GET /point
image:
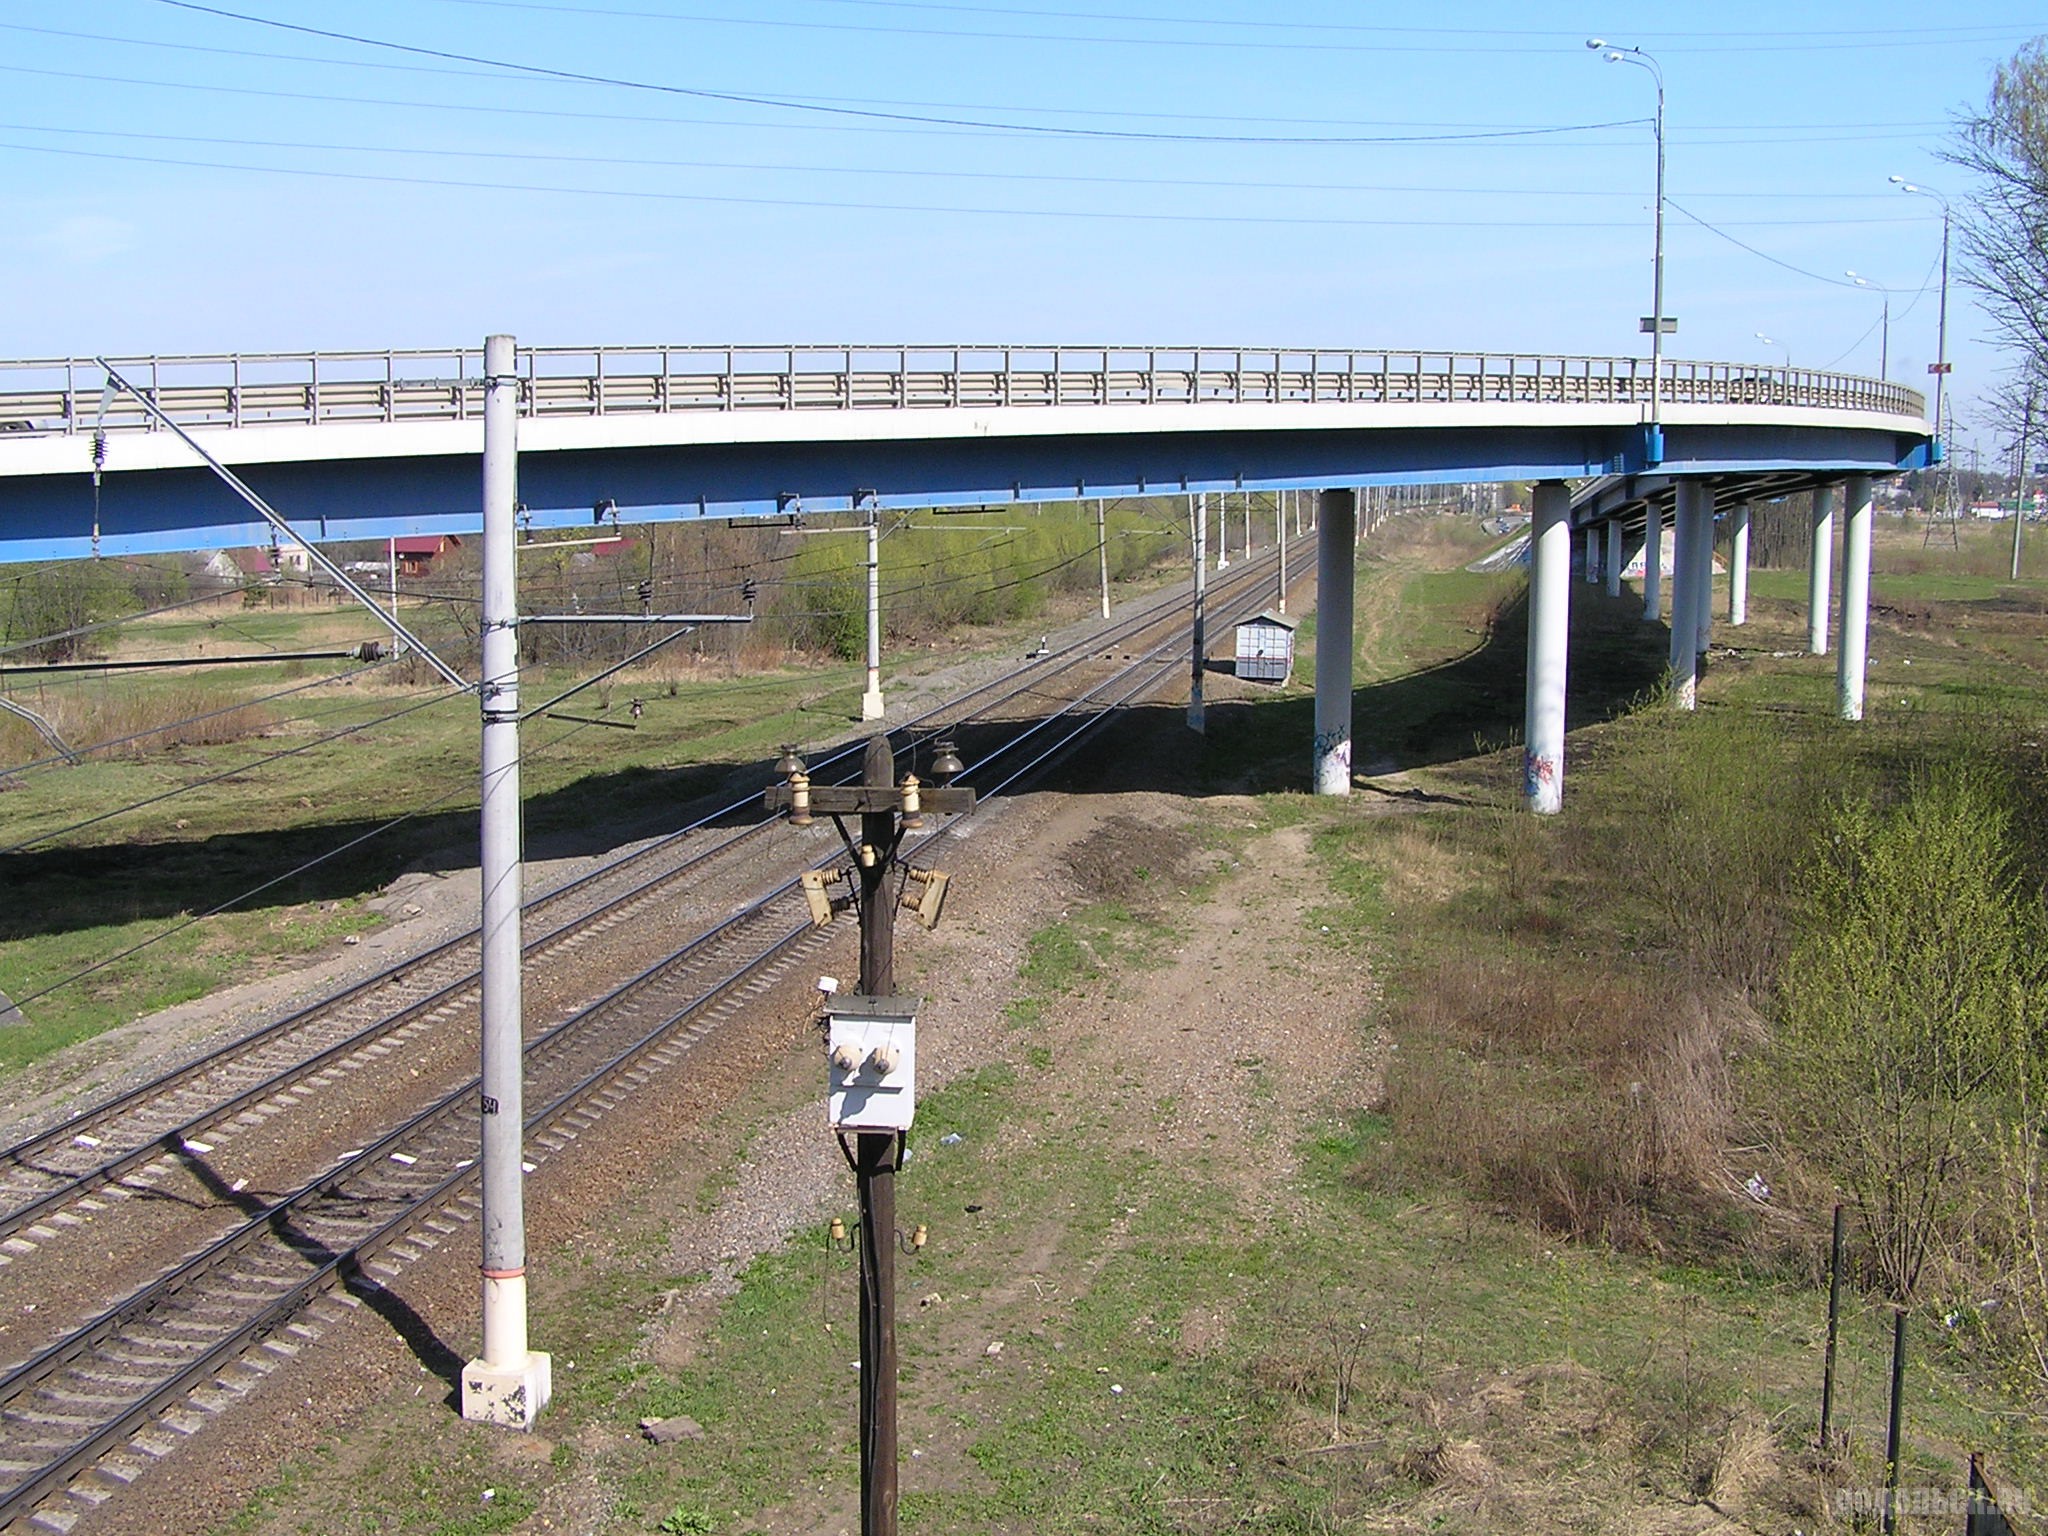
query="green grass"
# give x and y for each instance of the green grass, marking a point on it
(215, 823)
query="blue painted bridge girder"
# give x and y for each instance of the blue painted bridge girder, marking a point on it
(167, 506)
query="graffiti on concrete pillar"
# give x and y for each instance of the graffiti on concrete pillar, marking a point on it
(1539, 772)
(1333, 756)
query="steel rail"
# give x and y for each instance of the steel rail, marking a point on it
(333, 1264)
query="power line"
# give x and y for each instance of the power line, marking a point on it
(1436, 44)
(214, 778)
(112, 743)
(641, 194)
(535, 752)
(780, 104)
(1780, 134)
(113, 623)
(1433, 189)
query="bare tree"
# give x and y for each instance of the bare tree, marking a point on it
(2004, 146)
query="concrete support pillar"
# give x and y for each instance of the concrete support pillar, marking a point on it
(1681, 656)
(1591, 536)
(1850, 666)
(1820, 567)
(1549, 626)
(1198, 638)
(1615, 559)
(510, 1383)
(1703, 574)
(1653, 564)
(1738, 568)
(1336, 538)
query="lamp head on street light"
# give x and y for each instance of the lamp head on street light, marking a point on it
(1596, 43)
(1897, 181)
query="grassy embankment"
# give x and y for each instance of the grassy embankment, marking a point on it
(1525, 1292)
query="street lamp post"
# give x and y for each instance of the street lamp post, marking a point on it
(1767, 341)
(1884, 346)
(1940, 367)
(1636, 56)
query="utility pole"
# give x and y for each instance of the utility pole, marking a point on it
(1222, 529)
(868, 1075)
(876, 1154)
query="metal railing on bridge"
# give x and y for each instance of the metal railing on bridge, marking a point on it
(64, 395)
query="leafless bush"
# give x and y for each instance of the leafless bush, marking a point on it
(1595, 1103)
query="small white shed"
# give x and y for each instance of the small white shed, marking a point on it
(1265, 648)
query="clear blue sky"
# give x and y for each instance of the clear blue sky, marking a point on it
(184, 181)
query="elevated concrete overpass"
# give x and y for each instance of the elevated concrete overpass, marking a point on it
(367, 445)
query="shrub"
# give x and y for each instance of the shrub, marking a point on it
(1910, 1024)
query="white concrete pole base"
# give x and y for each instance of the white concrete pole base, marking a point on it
(511, 1383)
(510, 1396)
(871, 707)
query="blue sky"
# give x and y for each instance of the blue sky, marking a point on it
(1308, 173)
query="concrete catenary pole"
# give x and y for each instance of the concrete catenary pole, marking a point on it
(510, 1384)
(1222, 530)
(1819, 570)
(391, 570)
(1850, 666)
(1549, 622)
(1102, 549)
(1198, 639)
(1613, 562)
(1280, 543)
(1653, 563)
(1336, 517)
(1738, 568)
(871, 703)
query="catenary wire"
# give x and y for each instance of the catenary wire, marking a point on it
(642, 194)
(1434, 189)
(440, 697)
(772, 103)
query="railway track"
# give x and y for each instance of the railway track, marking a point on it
(52, 1171)
(112, 1394)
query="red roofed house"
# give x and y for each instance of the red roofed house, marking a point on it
(416, 556)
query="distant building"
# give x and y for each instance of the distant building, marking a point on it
(416, 556)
